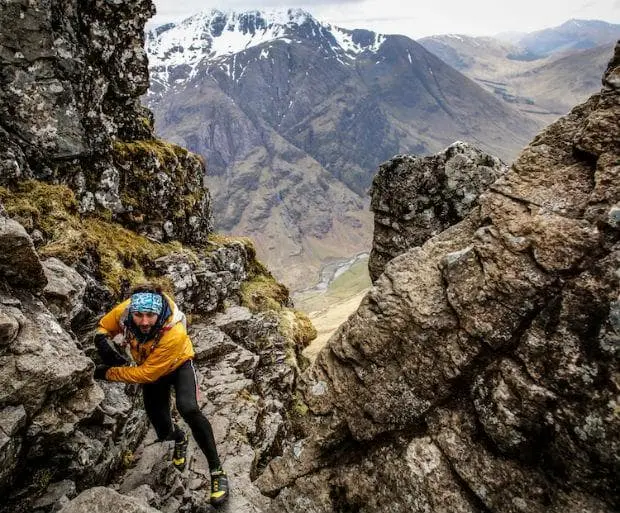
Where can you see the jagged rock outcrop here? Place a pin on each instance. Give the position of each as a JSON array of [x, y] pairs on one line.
[[415, 198], [71, 81], [476, 376], [54, 421], [479, 373]]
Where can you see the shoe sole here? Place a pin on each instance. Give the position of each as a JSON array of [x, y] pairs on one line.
[[220, 501]]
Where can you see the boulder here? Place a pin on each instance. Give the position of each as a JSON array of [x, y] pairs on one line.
[[64, 291], [415, 198], [19, 262]]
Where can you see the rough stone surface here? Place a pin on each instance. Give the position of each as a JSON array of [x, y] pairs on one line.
[[495, 343], [72, 77], [415, 198], [245, 388], [100, 499], [478, 375], [19, 262], [64, 291], [56, 495], [201, 286]]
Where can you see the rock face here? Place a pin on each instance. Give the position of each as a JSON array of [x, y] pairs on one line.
[[77, 158], [480, 372], [71, 81], [17, 247], [478, 375], [415, 198]]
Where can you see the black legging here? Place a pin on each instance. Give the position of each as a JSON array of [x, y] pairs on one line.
[[157, 405]]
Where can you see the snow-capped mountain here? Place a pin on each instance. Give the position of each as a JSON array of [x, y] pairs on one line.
[[294, 116], [214, 35]]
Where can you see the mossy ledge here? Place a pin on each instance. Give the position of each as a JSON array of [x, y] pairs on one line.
[[159, 174], [121, 256], [262, 292]]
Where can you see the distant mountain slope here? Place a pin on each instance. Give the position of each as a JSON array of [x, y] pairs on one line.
[[559, 84], [301, 113], [571, 35], [474, 55], [542, 87]]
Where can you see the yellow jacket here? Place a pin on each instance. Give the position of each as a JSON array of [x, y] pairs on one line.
[[155, 357]]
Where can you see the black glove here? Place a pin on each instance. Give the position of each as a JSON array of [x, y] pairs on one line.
[[100, 371], [108, 355]]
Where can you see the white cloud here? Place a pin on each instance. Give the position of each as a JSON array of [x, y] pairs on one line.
[[474, 17]]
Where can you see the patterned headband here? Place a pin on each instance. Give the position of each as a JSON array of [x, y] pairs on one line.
[[146, 302]]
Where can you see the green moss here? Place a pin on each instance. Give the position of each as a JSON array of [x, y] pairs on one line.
[[298, 407], [165, 152], [263, 293], [146, 123], [41, 479], [127, 459], [38, 205], [297, 326], [121, 254]]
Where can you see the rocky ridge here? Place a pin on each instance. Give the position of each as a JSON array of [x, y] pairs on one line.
[[70, 105], [478, 375], [480, 371], [81, 174]]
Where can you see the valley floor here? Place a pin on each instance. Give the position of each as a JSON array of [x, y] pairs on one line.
[[328, 320], [332, 302]]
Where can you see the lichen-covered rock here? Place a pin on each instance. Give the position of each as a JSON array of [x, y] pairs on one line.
[[19, 262], [497, 340], [160, 191], [64, 291], [202, 284], [72, 77], [414, 198]]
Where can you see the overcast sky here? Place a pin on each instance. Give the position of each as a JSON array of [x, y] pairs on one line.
[[418, 19]]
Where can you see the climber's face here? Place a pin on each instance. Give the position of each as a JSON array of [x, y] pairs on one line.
[[144, 320]]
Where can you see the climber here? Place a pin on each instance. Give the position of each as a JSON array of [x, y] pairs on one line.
[[155, 330]]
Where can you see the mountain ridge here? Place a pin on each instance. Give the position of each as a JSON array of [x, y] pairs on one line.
[[349, 99], [541, 85]]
